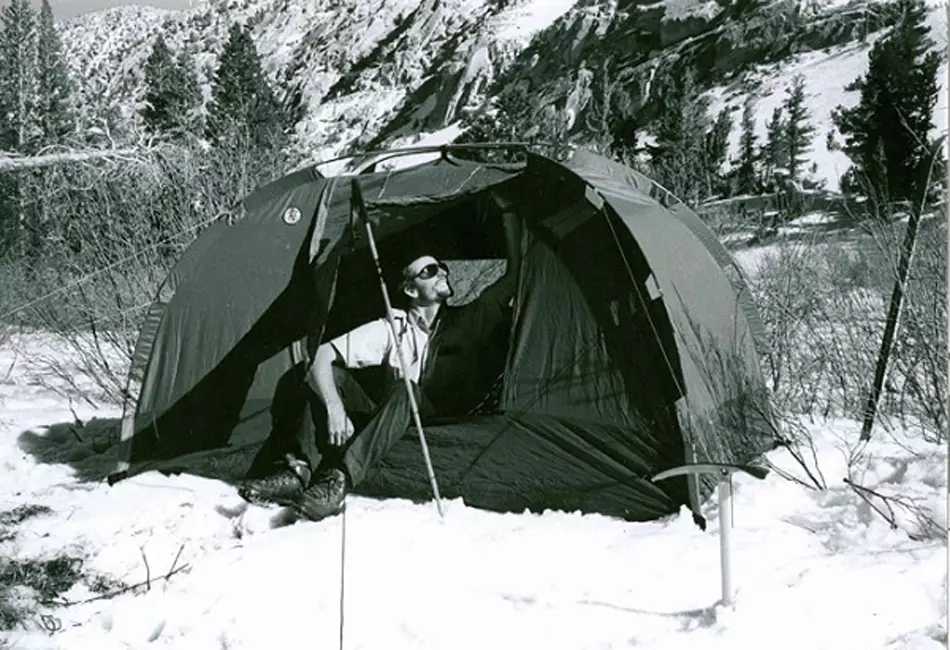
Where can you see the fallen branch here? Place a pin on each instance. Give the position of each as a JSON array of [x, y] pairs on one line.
[[148, 571], [866, 493], [15, 162], [120, 591], [928, 526], [175, 562]]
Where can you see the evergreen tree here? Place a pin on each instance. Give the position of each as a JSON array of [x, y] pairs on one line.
[[715, 152], [886, 135], [745, 172], [18, 96], [774, 152], [53, 85], [158, 72], [19, 128], [798, 128], [173, 95], [244, 109], [507, 119], [688, 148], [190, 99]]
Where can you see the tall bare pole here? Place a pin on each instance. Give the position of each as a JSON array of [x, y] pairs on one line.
[[897, 295], [360, 207]]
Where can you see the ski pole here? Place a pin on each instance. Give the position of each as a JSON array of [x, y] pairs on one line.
[[360, 205]]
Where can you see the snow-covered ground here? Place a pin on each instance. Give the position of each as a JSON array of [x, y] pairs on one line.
[[813, 569]]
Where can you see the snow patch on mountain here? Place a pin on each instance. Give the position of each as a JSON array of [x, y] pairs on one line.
[[826, 74]]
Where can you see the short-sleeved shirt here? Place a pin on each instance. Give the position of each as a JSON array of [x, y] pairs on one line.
[[371, 344], [453, 362]]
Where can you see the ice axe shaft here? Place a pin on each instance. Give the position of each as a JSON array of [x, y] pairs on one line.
[[360, 205]]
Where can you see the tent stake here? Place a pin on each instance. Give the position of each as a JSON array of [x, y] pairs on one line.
[[360, 207]]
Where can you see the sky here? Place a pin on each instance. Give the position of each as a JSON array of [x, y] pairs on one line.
[[66, 9]]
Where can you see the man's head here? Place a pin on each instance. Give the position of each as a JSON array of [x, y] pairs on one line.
[[425, 281]]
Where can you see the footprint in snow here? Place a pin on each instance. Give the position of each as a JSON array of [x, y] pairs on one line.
[[247, 518]]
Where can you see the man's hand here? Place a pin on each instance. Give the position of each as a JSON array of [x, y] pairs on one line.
[[339, 425]]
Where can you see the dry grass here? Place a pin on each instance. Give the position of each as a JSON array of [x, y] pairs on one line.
[[27, 586], [25, 583], [823, 304], [101, 242]]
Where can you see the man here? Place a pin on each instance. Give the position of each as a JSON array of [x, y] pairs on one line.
[[444, 354]]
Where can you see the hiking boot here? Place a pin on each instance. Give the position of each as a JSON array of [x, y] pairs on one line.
[[281, 488], [324, 497]]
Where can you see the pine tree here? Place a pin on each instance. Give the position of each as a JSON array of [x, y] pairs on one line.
[[680, 137], [53, 85], [611, 117], [886, 135], [173, 94], [190, 100], [745, 174], [774, 152], [158, 71], [798, 128], [690, 148], [244, 109], [18, 96], [715, 152], [507, 119], [19, 127]]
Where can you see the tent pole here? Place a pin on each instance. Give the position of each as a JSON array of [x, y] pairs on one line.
[[360, 207]]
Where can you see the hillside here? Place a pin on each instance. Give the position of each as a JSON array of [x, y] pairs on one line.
[[378, 72]]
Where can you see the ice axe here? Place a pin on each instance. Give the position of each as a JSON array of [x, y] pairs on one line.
[[724, 471]]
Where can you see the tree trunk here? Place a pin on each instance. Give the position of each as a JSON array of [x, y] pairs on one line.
[[897, 297]]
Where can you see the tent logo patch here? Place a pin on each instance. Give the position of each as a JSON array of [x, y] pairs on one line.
[[291, 215]]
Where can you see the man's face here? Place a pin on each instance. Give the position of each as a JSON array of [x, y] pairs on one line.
[[427, 281]]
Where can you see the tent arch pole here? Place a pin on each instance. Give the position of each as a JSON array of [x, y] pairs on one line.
[[387, 154]]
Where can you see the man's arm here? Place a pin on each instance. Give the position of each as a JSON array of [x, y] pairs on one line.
[[365, 346], [320, 376]]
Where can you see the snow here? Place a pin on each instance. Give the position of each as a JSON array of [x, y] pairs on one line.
[[523, 21], [813, 569], [686, 9]]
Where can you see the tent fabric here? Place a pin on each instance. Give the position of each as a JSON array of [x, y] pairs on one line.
[[630, 349], [605, 174]]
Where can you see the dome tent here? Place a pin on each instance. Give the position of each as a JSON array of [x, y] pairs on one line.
[[633, 346]]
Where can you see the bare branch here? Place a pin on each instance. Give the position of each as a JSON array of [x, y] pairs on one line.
[[148, 570], [10, 162]]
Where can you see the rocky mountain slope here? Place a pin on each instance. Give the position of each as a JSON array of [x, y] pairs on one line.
[[374, 72]]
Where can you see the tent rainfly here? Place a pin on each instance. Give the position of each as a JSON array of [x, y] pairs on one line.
[[633, 347]]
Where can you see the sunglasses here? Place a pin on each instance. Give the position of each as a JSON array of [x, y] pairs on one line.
[[429, 271]]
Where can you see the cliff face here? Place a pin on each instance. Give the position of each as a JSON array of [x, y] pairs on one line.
[[382, 71], [350, 66]]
